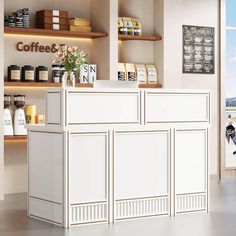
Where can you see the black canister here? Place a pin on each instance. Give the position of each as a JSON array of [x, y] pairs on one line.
[[13, 73], [41, 74], [28, 73], [56, 73]]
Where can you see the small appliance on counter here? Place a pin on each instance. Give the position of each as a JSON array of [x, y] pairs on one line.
[[8, 128], [19, 118]]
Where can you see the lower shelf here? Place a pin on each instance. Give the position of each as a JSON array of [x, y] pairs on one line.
[[78, 85], [15, 138]]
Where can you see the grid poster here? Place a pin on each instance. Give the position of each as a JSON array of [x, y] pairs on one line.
[[198, 49]]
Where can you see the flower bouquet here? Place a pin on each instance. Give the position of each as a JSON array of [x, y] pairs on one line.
[[72, 59]]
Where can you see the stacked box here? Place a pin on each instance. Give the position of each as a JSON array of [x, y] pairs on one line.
[[52, 19], [79, 25]]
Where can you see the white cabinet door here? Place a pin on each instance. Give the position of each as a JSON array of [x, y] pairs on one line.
[[191, 154], [88, 177], [141, 173]]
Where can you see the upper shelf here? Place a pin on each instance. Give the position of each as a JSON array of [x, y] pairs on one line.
[[53, 33], [124, 37]]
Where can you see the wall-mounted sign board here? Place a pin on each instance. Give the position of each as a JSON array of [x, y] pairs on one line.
[[198, 49]]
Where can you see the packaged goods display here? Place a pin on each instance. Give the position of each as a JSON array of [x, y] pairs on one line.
[[30, 114], [130, 26], [19, 19], [52, 19], [121, 72], [28, 74], [144, 74], [14, 73], [151, 74], [79, 25], [137, 26], [56, 73], [42, 74], [127, 22], [8, 127], [130, 71], [141, 73]]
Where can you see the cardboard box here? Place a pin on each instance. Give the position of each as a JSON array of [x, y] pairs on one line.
[[81, 22], [80, 29]]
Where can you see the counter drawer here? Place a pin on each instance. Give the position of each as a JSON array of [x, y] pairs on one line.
[[174, 107], [102, 108]]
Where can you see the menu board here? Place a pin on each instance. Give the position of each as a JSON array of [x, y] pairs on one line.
[[198, 49]]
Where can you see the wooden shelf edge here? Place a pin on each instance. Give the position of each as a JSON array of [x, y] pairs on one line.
[[150, 86], [52, 85], [139, 37], [53, 33], [42, 85], [15, 138]]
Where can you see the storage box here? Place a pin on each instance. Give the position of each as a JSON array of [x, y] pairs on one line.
[[52, 19], [80, 29], [52, 13], [54, 26], [81, 22]]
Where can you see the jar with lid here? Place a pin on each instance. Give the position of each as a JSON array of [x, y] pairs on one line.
[[56, 73], [19, 101], [62, 69], [28, 73], [7, 101], [42, 74], [14, 73]]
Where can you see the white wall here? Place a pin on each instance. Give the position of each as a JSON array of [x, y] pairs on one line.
[[15, 154], [1, 105], [192, 12]]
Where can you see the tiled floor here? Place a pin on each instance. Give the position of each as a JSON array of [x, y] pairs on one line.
[[221, 221]]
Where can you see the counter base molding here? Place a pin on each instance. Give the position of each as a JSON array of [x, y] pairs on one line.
[[125, 162]]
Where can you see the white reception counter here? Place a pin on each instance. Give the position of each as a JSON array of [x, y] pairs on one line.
[[106, 155]]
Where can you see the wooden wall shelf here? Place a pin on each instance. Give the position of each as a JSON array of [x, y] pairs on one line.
[[150, 86], [139, 37], [51, 85], [42, 85], [53, 33], [15, 138]]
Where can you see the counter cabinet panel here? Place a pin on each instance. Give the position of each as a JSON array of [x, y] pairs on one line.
[[88, 177], [141, 173], [191, 164], [46, 176], [171, 107], [102, 108]]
